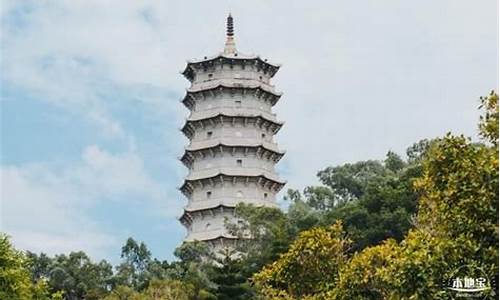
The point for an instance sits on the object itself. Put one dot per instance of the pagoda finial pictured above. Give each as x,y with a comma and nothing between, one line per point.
230,47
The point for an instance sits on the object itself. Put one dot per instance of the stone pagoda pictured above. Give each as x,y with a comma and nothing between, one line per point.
231,153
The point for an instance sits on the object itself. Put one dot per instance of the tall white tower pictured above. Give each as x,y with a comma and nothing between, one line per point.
231,153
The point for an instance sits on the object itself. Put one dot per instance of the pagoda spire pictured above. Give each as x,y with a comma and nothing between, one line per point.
230,47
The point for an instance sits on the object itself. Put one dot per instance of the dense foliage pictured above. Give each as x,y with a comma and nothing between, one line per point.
375,200
456,225
15,279
309,266
391,229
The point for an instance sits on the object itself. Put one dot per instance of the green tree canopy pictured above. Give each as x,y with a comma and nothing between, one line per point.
15,276
456,225
310,265
231,284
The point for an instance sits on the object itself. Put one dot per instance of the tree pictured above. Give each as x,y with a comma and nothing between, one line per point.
488,122
412,269
193,252
375,199
122,292
78,277
270,233
300,214
383,210
418,150
393,162
309,267
161,269
168,290
194,268
74,274
347,182
227,275
15,279
456,225
322,198
133,271
385,207
39,265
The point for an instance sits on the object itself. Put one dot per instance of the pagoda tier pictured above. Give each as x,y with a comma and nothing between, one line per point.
191,219
225,202
190,212
215,148
222,60
221,242
210,178
256,89
224,117
210,228
232,154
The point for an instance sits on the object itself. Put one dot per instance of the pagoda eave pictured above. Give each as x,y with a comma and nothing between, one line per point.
260,120
232,59
230,203
260,90
211,238
187,215
262,150
223,176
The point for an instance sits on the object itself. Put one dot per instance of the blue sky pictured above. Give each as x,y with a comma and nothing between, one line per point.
90,96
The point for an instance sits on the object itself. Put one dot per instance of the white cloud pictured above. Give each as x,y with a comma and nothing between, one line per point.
70,54
115,175
46,207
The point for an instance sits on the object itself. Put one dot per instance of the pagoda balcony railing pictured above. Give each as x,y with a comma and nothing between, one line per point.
232,168
206,234
235,139
194,205
231,141
266,82
237,171
241,108
234,82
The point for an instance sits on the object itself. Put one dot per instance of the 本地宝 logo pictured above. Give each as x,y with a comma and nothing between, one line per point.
469,282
